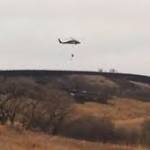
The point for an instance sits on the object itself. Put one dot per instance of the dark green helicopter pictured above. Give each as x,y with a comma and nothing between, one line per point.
72,41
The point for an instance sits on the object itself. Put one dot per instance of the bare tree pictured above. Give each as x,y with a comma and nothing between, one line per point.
34,105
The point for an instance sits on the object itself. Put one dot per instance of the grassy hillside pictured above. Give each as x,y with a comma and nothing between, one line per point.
91,106
128,113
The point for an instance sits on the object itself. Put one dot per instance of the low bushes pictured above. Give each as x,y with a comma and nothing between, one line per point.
94,129
35,106
89,128
126,136
145,134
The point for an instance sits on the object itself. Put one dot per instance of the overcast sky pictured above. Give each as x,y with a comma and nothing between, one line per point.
114,34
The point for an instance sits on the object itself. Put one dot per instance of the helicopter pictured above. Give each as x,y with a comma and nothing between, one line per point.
72,41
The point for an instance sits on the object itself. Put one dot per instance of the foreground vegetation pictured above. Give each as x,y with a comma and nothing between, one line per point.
12,139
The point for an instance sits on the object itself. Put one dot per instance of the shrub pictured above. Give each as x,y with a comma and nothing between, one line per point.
32,104
145,133
126,136
89,128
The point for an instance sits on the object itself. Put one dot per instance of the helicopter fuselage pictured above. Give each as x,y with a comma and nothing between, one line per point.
69,42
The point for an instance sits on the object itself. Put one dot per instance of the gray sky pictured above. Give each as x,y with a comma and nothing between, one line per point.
114,34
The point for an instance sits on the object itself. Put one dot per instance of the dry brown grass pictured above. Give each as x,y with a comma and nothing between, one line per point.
11,139
122,111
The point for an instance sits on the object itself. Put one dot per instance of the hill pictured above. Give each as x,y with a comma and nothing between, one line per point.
92,106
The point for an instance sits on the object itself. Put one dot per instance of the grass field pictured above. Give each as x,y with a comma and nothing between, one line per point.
10,139
122,111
